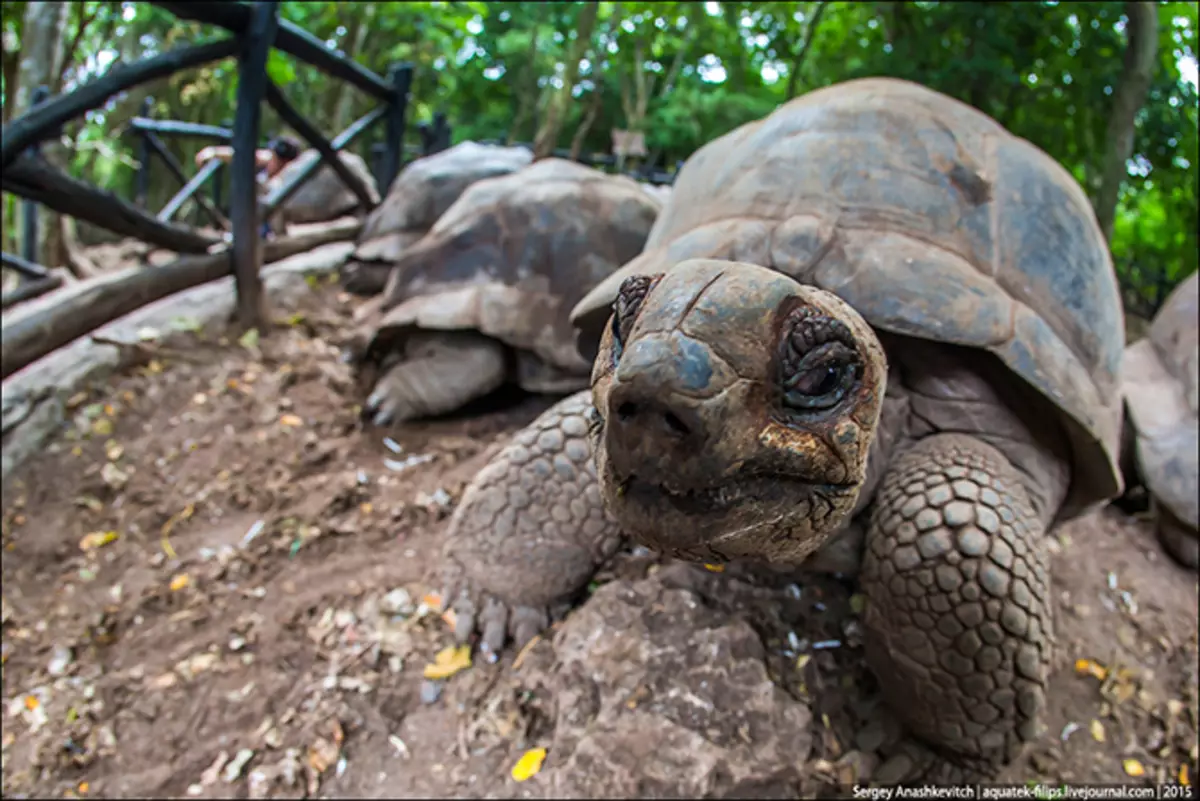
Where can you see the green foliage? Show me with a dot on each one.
(686, 72)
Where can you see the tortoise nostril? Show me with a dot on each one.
(627, 411)
(676, 425)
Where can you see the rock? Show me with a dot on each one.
(60, 659)
(397, 602)
(659, 695)
(431, 691)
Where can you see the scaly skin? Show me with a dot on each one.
(439, 372)
(530, 530)
(958, 616)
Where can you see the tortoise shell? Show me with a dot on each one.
(1161, 382)
(932, 221)
(513, 255)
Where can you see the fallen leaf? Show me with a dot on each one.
(322, 754)
(712, 569)
(1097, 731)
(291, 420)
(249, 340)
(102, 427)
(1086, 667)
(529, 764)
(449, 660)
(83, 787)
(97, 539)
(180, 581)
(76, 400)
(433, 600)
(90, 502)
(31, 703)
(113, 450)
(858, 602)
(1183, 777)
(1133, 768)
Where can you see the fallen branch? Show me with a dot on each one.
(84, 307)
(30, 290)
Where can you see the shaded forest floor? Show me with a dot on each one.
(213, 584)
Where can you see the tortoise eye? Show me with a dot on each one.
(819, 363)
(630, 297)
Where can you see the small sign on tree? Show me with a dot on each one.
(628, 143)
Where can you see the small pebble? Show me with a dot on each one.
(431, 691)
(60, 660)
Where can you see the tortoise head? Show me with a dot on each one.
(734, 411)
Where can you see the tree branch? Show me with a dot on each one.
(1128, 98)
(798, 60)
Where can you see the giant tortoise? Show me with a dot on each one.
(872, 333)
(421, 193)
(484, 297)
(1161, 383)
(325, 196)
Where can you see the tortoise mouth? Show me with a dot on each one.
(768, 491)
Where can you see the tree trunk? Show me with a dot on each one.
(1128, 98)
(356, 39)
(589, 119)
(547, 135)
(798, 59)
(42, 45)
(526, 89)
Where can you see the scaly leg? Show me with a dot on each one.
(530, 530)
(958, 618)
(439, 372)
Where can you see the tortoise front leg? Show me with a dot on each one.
(958, 619)
(530, 531)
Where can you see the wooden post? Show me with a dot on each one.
(441, 132)
(400, 77)
(29, 208)
(220, 177)
(243, 201)
(378, 155)
(142, 191)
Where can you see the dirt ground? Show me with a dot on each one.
(213, 587)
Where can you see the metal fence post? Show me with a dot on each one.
(400, 76)
(243, 202)
(29, 208)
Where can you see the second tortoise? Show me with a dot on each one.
(485, 297)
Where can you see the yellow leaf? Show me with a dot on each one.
(433, 600)
(449, 661)
(180, 581)
(858, 602)
(1133, 768)
(714, 568)
(291, 420)
(1086, 667)
(366, 508)
(83, 787)
(77, 451)
(529, 764)
(109, 410)
(1097, 730)
(97, 539)
(102, 427)
(31, 703)
(1184, 779)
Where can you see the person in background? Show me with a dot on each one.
(269, 161)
